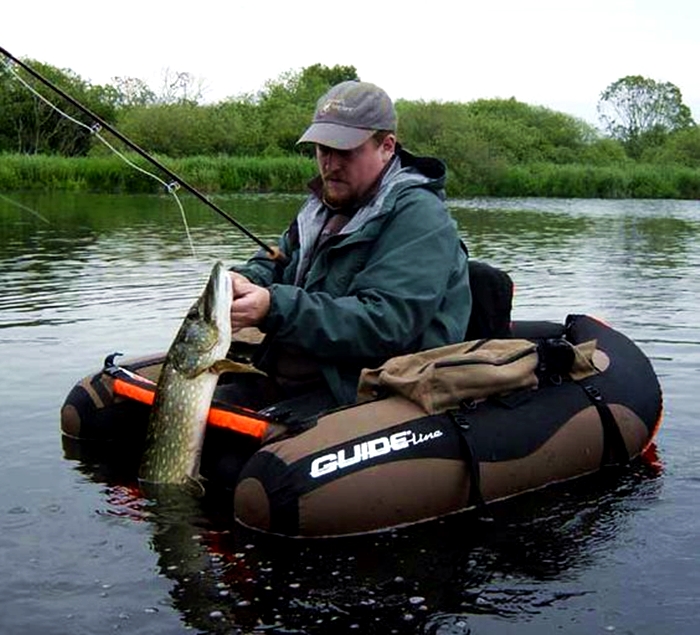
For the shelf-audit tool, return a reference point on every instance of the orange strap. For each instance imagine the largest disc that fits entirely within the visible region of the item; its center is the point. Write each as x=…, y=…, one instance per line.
x=251, y=425
x=237, y=422
x=134, y=391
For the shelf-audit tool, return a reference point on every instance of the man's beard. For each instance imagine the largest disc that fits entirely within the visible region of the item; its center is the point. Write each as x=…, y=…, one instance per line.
x=333, y=198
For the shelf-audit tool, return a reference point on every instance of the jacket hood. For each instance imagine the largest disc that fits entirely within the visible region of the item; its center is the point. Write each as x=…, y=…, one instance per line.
x=430, y=167
x=404, y=171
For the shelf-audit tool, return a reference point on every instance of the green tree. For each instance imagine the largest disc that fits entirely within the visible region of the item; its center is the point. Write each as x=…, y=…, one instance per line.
x=485, y=133
x=131, y=91
x=527, y=133
x=180, y=87
x=267, y=123
x=604, y=152
x=287, y=103
x=29, y=125
x=176, y=88
x=682, y=148
x=640, y=112
x=187, y=129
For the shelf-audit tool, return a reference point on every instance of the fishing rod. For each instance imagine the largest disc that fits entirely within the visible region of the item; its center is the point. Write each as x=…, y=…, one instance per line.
x=273, y=252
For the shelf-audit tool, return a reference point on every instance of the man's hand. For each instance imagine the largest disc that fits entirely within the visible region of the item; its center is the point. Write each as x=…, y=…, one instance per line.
x=237, y=278
x=250, y=303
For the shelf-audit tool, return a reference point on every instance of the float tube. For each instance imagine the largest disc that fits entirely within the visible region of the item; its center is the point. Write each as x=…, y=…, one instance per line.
x=386, y=462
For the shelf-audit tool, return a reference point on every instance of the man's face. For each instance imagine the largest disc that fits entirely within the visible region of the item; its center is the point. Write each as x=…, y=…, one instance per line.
x=347, y=175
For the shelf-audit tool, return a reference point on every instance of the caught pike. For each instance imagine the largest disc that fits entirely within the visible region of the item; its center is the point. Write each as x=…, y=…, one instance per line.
x=186, y=386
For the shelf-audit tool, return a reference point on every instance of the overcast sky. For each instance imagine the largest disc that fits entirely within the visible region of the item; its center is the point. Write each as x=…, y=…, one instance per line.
x=556, y=53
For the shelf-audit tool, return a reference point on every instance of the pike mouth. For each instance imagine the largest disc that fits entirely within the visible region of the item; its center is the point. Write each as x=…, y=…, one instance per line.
x=218, y=296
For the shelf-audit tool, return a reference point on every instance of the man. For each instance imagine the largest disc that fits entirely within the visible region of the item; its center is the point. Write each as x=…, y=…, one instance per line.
x=373, y=265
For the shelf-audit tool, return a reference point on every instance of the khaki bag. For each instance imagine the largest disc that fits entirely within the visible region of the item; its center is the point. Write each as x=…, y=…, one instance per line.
x=443, y=378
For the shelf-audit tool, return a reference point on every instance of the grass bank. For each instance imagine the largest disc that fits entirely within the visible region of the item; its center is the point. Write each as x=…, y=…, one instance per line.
x=289, y=175
x=112, y=175
x=631, y=180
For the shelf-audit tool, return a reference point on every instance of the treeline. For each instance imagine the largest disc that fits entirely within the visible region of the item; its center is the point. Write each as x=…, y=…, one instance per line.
x=493, y=147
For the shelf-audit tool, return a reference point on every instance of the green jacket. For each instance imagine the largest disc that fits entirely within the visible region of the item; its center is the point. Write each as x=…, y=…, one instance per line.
x=393, y=281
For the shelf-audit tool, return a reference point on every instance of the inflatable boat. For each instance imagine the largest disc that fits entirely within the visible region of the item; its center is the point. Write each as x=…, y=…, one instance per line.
x=388, y=462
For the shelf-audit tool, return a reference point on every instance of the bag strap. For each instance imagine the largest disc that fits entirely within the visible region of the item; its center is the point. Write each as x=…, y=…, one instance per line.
x=614, y=448
x=461, y=421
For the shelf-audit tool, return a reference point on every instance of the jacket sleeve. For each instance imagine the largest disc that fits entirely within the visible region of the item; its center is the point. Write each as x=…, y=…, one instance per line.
x=263, y=270
x=386, y=307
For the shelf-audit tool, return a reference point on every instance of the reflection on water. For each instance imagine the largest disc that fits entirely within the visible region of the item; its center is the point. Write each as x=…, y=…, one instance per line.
x=511, y=566
x=520, y=560
x=632, y=263
x=86, y=554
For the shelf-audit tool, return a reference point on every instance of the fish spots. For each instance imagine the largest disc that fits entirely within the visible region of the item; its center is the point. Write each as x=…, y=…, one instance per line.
x=178, y=418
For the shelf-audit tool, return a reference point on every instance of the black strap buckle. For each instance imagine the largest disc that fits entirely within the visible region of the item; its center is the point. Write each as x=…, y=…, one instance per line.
x=109, y=366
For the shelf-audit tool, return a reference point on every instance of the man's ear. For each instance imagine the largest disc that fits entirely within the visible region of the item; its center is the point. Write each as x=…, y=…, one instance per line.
x=388, y=147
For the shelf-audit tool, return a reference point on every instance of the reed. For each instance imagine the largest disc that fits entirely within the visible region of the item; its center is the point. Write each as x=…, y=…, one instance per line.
x=228, y=174
x=628, y=180
x=109, y=174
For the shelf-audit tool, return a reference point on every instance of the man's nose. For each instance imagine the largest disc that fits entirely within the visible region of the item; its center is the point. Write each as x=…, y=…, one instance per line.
x=331, y=160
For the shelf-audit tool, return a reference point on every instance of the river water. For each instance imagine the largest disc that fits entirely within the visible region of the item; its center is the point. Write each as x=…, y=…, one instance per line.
x=81, y=552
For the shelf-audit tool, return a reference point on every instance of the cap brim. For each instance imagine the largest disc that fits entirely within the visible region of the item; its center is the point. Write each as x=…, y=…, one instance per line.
x=335, y=136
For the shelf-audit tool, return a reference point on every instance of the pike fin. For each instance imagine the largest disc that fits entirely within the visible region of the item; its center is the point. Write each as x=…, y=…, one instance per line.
x=229, y=366
x=195, y=485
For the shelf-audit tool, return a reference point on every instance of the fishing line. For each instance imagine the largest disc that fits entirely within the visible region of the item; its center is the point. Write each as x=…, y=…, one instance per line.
x=95, y=130
x=24, y=207
x=273, y=252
